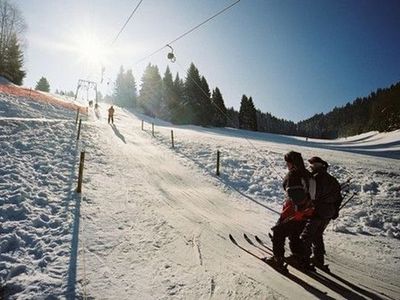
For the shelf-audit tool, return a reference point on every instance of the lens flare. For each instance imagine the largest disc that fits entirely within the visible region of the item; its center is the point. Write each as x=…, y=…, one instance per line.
x=91, y=50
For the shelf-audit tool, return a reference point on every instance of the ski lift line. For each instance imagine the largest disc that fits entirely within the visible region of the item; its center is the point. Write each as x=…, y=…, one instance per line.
x=209, y=19
x=227, y=116
x=127, y=21
x=187, y=32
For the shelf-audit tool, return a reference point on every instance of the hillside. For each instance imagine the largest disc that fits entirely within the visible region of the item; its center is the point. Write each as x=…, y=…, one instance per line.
x=153, y=222
x=380, y=111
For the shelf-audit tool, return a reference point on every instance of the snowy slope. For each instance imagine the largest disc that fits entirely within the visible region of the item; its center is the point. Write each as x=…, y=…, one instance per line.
x=256, y=167
x=38, y=156
x=154, y=221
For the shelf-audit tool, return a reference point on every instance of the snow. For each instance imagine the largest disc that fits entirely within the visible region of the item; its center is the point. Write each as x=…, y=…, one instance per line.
x=153, y=221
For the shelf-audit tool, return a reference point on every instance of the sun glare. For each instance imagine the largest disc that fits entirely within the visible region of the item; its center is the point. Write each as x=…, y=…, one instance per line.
x=91, y=50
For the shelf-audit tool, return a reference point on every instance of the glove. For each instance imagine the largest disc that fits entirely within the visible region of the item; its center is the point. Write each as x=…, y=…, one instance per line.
x=298, y=216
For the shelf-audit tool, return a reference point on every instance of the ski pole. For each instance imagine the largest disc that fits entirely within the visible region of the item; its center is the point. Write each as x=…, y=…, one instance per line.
x=346, y=183
x=347, y=201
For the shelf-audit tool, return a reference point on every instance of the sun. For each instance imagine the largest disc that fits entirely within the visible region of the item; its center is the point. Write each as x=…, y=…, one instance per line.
x=91, y=49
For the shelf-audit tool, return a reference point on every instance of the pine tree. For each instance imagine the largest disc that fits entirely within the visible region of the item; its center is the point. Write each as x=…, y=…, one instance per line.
x=13, y=62
x=119, y=86
x=220, y=113
x=12, y=26
x=192, y=106
x=247, y=114
x=43, y=85
x=243, y=113
x=125, y=93
x=168, y=96
x=177, y=107
x=233, y=118
x=130, y=91
x=252, y=115
x=151, y=91
x=206, y=111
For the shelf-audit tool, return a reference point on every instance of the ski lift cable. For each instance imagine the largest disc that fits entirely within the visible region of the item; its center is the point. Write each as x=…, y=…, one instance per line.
x=228, y=117
x=126, y=23
x=187, y=32
x=119, y=33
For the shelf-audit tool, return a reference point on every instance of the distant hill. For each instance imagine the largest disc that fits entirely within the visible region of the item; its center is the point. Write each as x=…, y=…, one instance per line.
x=380, y=111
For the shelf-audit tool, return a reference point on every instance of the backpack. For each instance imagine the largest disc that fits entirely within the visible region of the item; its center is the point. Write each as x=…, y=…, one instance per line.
x=329, y=198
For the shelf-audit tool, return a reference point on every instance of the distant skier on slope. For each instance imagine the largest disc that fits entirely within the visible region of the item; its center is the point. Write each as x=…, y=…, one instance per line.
x=97, y=111
x=298, y=184
x=111, y=115
x=327, y=202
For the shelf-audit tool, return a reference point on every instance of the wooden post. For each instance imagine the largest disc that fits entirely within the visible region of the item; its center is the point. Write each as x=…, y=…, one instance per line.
x=142, y=124
x=218, y=153
x=79, y=129
x=80, y=175
x=152, y=129
x=172, y=138
x=77, y=115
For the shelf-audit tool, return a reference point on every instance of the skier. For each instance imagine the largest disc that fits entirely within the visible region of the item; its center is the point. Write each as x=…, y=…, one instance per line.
x=300, y=189
x=111, y=115
x=327, y=202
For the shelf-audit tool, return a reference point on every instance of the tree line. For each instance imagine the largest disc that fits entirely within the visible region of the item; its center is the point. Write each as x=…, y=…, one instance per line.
x=379, y=111
x=171, y=98
x=190, y=100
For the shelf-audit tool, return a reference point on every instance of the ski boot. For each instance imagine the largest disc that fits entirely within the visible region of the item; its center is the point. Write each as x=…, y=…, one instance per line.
x=294, y=260
x=319, y=263
x=277, y=262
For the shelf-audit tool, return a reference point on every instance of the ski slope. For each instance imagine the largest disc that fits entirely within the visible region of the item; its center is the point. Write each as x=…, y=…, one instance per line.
x=153, y=222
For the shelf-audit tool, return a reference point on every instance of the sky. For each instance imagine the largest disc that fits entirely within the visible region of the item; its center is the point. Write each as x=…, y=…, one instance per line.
x=295, y=58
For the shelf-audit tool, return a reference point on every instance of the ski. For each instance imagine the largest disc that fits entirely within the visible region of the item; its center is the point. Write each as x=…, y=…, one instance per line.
x=262, y=243
x=257, y=246
x=282, y=271
x=324, y=268
x=285, y=272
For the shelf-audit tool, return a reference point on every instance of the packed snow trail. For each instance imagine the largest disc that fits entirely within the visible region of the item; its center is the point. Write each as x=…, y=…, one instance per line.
x=152, y=228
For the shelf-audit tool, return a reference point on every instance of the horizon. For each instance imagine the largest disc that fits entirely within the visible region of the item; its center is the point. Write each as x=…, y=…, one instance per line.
x=312, y=56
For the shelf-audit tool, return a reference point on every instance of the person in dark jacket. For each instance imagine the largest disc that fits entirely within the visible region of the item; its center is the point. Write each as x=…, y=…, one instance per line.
x=111, y=115
x=327, y=202
x=296, y=209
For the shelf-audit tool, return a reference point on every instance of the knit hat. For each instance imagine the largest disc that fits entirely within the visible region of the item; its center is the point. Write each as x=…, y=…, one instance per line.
x=318, y=160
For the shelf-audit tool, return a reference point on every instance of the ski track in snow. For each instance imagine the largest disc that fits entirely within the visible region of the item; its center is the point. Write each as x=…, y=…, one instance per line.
x=154, y=221
x=374, y=211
